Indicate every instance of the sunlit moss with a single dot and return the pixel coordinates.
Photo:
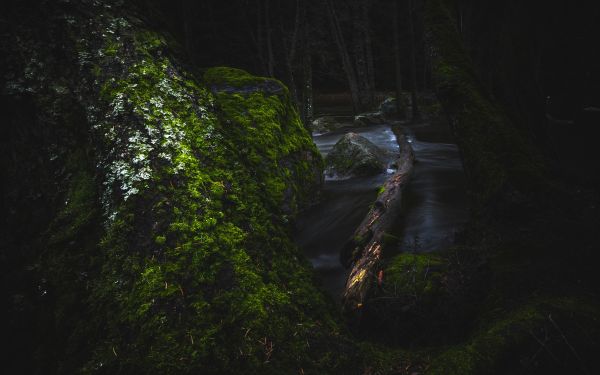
(190, 193)
(417, 275)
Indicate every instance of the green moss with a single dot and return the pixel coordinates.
(232, 77)
(511, 340)
(228, 283)
(267, 125)
(111, 47)
(417, 275)
(79, 209)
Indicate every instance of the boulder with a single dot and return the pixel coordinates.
(354, 155)
(369, 118)
(147, 204)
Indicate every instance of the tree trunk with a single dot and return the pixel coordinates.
(187, 29)
(369, 48)
(307, 89)
(498, 161)
(290, 55)
(362, 53)
(359, 54)
(340, 42)
(397, 57)
(257, 39)
(307, 109)
(413, 63)
(270, 57)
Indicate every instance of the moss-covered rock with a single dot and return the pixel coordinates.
(171, 250)
(354, 155)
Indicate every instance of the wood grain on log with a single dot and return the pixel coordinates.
(366, 244)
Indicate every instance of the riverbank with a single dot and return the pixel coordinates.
(434, 204)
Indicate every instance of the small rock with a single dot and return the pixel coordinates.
(369, 118)
(325, 124)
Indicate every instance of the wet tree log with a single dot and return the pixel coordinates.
(366, 244)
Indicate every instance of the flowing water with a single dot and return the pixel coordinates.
(434, 204)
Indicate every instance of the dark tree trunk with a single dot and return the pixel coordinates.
(369, 47)
(497, 159)
(270, 56)
(397, 57)
(307, 89)
(290, 53)
(306, 112)
(416, 116)
(340, 42)
(187, 28)
(362, 53)
(257, 38)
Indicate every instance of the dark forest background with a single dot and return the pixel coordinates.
(539, 60)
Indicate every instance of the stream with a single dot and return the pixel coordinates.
(434, 203)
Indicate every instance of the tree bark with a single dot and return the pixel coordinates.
(367, 239)
(340, 42)
(270, 56)
(413, 63)
(257, 38)
(307, 89)
(369, 48)
(397, 57)
(187, 29)
(498, 161)
(306, 111)
(290, 54)
(362, 55)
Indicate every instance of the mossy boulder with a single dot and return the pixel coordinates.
(258, 113)
(354, 155)
(162, 243)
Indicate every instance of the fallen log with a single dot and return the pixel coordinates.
(366, 244)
